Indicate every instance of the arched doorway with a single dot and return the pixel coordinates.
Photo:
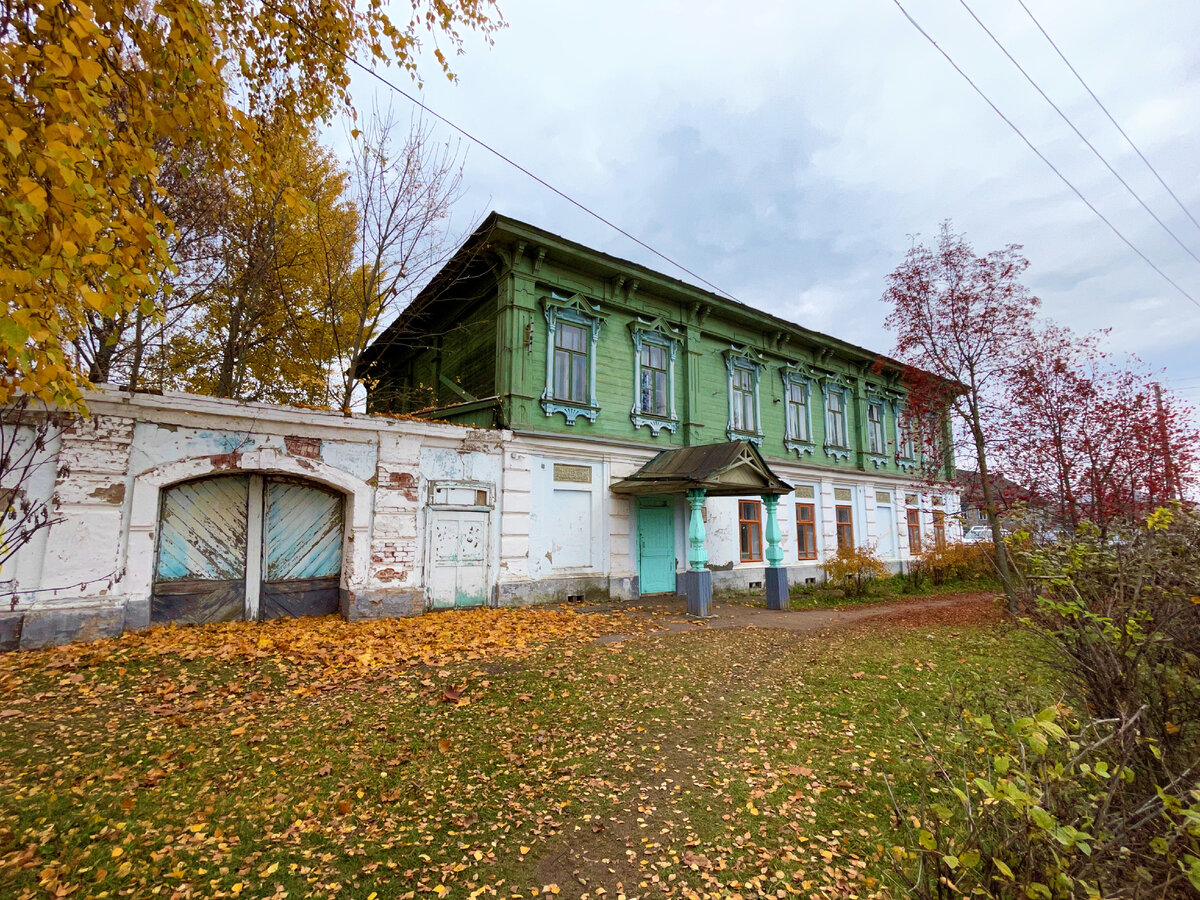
(247, 547)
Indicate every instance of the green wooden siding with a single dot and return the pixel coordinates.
(499, 348)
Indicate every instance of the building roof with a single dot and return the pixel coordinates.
(727, 469)
(471, 260)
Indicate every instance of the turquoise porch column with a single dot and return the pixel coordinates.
(775, 578)
(697, 580)
(697, 553)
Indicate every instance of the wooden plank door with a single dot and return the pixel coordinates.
(656, 549)
(200, 573)
(301, 550)
(458, 559)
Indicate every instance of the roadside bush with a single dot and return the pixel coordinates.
(1102, 803)
(956, 562)
(853, 569)
(1037, 807)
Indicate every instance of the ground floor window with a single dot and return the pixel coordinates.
(845, 528)
(806, 530)
(750, 530)
(939, 529)
(914, 530)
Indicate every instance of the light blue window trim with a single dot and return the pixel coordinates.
(747, 371)
(906, 451)
(877, 441)
(575, 311)
(798, 432)
(837, 439)
(654, 336)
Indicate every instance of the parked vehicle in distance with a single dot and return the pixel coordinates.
(977, 534)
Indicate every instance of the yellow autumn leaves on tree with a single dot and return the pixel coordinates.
(94, 98)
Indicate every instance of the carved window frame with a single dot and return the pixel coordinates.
(744, 360)
(658, 334)
(576, 311)
(906, 448)
(830, 386)
(801, 445)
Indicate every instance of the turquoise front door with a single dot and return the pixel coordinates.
(656, 547)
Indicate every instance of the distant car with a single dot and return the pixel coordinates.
(977, 534)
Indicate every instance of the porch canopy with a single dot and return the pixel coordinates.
(732, 468)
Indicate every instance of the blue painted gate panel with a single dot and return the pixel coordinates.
(203, 530)
(302, 535)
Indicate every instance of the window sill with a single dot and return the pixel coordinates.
(572, 411)
(800, 448)
(753, 437)
(654, 423)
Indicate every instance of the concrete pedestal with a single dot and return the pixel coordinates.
(697, 587)
(775, 580)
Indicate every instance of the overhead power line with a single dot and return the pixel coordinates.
(1167, 278)
(1062, 115)
(1117, 126)
(490, 149)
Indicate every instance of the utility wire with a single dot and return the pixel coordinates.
(1128, 139)
(1079, 134)
(490, 149)
(1043, 158)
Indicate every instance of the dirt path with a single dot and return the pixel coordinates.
(670, 614)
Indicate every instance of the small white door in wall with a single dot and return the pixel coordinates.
(458, 558)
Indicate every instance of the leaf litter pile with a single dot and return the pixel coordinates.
(489, 753)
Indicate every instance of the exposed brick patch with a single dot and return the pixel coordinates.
(226, 460)
(308, 447)
(404, 481)
(386, 575)
(114, 494)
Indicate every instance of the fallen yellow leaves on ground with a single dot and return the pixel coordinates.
(336, 647)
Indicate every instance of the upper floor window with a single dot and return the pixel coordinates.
(904, 436)
(797, 394)
(572, 363)
(876, 441)
(744, 375)
(835, 418)
(654, 349)
(572, 332)
(745, 416)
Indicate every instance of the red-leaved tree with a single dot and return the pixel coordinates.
(963, 323)
(1098, 438)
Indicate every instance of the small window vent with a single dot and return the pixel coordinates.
(756, 585)
(574, 598)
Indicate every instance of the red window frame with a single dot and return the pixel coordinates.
(750, 530)
(806, 531)
(845, 527)
(913, 518)
(939, 528)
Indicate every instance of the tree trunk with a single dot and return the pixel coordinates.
(993, 515)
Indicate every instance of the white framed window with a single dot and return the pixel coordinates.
(837, 413)
(876, 435)
(572, 333)
(654, 349)
(797, 396)
(745, 373)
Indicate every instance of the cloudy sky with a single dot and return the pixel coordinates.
(787, 151)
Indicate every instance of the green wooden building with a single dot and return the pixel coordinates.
(596, 359)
